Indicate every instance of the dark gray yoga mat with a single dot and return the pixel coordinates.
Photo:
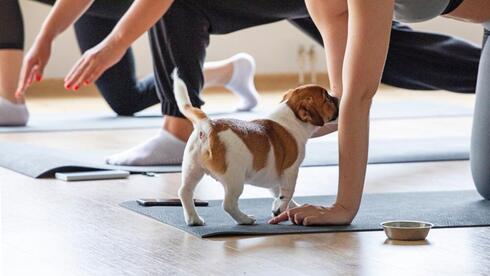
(443, 209)
(36, 161)
(151, 119)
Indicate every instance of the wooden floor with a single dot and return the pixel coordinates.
(49, 227)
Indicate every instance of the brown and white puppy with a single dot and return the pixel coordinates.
(265, 153)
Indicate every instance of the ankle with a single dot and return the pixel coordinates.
(217, 73)
(178, 127)
(11, 98)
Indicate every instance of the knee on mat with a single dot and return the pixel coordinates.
(481, 178)
(122, 109)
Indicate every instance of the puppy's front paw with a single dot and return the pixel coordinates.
(280, 205)
(276, 207)
(246, 220)
(194, 221)
(276, 212)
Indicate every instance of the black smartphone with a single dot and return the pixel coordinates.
(147, 202)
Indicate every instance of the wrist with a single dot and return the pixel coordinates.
(117, 41)
(349, 209)
(45, 38)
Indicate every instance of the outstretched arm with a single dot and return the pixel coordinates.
(137, 20)
(368, 28)
(63, 14)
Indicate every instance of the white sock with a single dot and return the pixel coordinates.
(162, 149)
(242, 81)
(13, 114)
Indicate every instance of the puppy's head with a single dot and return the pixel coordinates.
(312, 104)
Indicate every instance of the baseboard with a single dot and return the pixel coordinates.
(274, 82)
(53, 87)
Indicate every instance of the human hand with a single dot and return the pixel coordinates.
(309, 215)
(93, 63)
(33, 65)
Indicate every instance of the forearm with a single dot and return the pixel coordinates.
(367, 46)
(63, 14)
(331, 19)
(140, 17)
(326, 129)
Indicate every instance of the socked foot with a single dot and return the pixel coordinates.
(12, 114)
(242, 81)
(162, 149)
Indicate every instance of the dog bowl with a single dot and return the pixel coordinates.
(406, 230)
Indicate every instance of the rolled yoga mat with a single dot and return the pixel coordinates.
(151, 119)
(37, 161)
(443, 209)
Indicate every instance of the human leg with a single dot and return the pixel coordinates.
(480, 136)
(168, 38)
(12, 110)
(427, 61)
(119, 85)
(237, 74)
(418, 60)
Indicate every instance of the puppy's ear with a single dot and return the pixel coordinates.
(308, 113)
(287, 95)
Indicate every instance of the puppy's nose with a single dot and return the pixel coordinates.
(276, 212)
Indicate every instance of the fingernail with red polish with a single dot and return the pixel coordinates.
(67, 87)
(86, 82)
(75, 87)
(38, 77)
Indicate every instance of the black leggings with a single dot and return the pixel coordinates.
(118, 85)
(415, 60)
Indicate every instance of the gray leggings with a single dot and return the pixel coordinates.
(480, 136)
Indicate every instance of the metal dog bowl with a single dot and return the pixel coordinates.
(406, 230)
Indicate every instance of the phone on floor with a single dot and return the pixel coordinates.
(147, 202)
(91, 175)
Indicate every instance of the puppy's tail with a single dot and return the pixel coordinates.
(195, 115)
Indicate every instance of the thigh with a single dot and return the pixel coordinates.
(11, 25)
(118, 85)
(477, 11)
(91, 29)
(179, 40)
(307, 26)
(480, 136)
(419, 60)
(109, 8)
(227, 16)
(102, 8)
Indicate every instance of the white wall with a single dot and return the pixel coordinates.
(274, 46)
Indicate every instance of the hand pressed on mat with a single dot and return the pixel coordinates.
(309, 215)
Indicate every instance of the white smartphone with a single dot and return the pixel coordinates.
(91, 175)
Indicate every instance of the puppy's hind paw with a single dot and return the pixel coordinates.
(195, 221)
(247, 220)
